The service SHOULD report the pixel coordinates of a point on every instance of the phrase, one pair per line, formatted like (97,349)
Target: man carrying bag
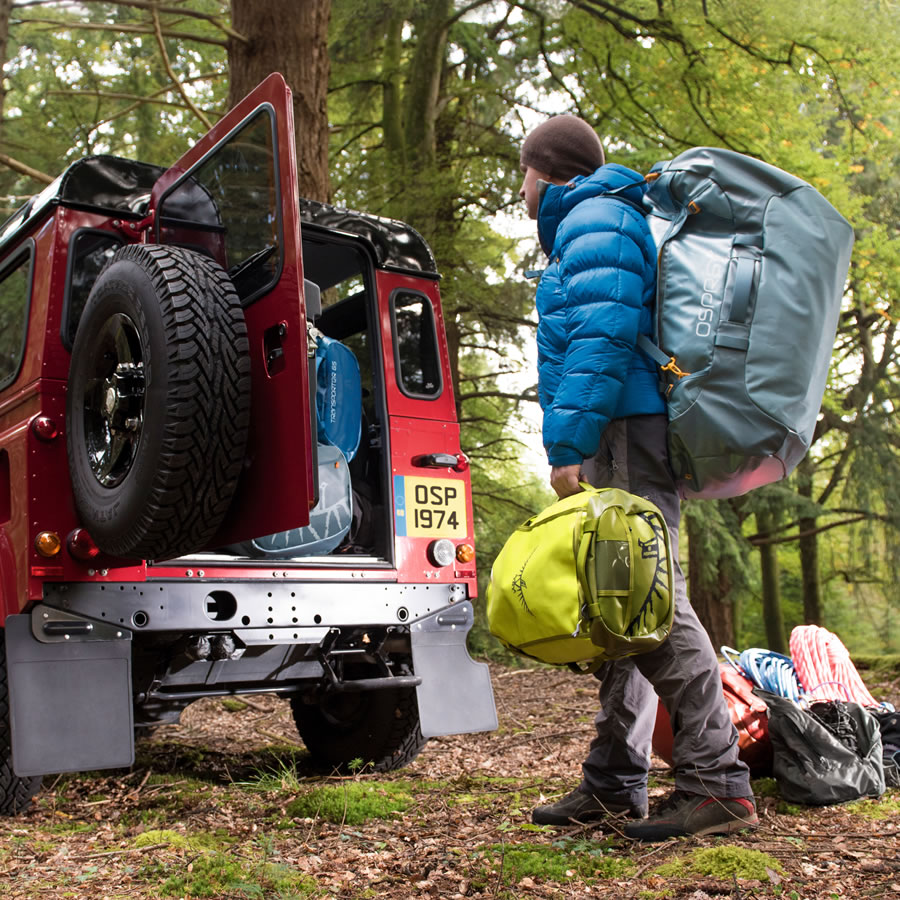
(605,423)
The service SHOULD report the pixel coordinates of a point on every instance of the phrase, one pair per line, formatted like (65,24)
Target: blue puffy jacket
(593,299)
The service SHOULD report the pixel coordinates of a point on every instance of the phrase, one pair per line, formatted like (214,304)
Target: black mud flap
(455,696)
(70,699)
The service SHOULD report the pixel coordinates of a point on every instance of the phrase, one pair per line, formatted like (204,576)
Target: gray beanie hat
(563,147)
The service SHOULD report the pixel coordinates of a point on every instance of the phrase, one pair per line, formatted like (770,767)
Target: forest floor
(225,805)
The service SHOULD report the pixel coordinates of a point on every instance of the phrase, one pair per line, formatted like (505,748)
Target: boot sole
(663,833)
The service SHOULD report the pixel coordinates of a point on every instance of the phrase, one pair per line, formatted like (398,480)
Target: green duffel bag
(587,580)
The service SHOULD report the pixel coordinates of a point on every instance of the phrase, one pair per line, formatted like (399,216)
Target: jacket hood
(556,201)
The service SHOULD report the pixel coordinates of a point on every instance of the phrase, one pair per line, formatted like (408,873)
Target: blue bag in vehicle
(338,396)
(329,520)
(752,266)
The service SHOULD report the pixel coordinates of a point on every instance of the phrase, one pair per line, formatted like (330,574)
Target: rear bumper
(82,662)
(256,611)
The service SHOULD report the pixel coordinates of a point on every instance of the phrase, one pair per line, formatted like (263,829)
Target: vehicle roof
(116,185)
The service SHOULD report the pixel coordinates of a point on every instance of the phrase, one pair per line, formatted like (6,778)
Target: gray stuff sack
(752,267)
(809,762)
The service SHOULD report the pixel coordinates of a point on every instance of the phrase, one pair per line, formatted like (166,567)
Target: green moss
(197,841)
(70,827)
(888,807)
(218,875)
(889,664)
(560,861)
(765,787)
(352,802)
(184,785)
(721,862)
(231,705)
(788,809)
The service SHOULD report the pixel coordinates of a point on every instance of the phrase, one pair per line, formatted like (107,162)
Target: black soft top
(122,186)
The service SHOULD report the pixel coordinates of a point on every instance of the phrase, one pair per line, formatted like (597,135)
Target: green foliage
(196,841)
(352,802)
(888,666)
(722,862)
(428,103)
(887,807)
(765,787)
(561,861)
(232,704)
(280,775)
(219,875)
(92,80)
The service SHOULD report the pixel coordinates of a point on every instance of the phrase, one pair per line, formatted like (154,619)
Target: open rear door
(234,196)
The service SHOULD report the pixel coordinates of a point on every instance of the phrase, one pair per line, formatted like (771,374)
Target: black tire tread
(396,743)
(15,792)
(207,405)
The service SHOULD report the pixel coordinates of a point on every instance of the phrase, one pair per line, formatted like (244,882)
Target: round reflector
(442,552)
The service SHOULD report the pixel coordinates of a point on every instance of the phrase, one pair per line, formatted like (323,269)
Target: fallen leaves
(474,793)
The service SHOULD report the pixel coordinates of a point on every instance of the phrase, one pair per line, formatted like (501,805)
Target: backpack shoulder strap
(616,195)
(660,358)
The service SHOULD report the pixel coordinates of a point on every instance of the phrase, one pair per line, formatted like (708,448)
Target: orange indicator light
(465,553)
(47,543)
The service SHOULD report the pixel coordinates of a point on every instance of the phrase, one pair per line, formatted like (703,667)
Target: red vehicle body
(141,461)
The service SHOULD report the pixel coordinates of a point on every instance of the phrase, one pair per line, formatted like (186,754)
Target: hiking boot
(582,808)
(682,813)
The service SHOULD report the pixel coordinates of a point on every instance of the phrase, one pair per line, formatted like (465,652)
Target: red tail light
(81,545)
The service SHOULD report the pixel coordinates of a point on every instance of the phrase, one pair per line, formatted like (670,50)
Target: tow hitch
(332,658)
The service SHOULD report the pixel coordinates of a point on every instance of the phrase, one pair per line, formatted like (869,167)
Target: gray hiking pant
(683,671)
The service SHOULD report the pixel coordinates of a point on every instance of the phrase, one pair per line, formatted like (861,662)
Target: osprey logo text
(519,584)
(712,285)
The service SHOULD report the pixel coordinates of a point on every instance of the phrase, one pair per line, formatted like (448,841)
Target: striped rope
(768,670)
(825,669)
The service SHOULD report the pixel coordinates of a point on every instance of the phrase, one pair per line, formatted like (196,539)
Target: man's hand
(564,480)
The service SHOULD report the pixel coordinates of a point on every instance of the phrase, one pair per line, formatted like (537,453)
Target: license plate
(429,507)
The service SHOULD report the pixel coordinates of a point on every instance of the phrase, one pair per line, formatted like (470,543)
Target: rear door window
(229,207)
(415,345)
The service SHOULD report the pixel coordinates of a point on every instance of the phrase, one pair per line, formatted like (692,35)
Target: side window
(89,252)
(229,207)
(15,293)
(415,345)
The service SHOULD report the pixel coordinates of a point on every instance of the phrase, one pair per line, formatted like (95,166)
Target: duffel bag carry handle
(591,606)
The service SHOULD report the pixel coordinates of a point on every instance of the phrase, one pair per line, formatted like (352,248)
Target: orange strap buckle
(672,367)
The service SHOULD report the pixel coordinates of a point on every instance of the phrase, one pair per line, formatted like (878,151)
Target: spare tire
(158,402)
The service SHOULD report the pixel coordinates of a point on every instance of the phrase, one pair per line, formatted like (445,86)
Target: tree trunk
(809,553)
(707,595)
(291,37)
(773,618)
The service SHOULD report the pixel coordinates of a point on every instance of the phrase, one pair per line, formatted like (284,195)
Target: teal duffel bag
(752,267)
(587,580)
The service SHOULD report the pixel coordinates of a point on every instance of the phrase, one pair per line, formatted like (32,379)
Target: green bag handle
(591,606)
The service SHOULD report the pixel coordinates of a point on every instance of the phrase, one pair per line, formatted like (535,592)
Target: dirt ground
(225,805)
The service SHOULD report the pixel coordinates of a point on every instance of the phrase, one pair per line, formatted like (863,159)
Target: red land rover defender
(229,463)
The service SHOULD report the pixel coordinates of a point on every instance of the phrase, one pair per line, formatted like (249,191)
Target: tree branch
(502,498)
(22,169)
(122,29)
(165,10)
(173,77)
(759,540)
